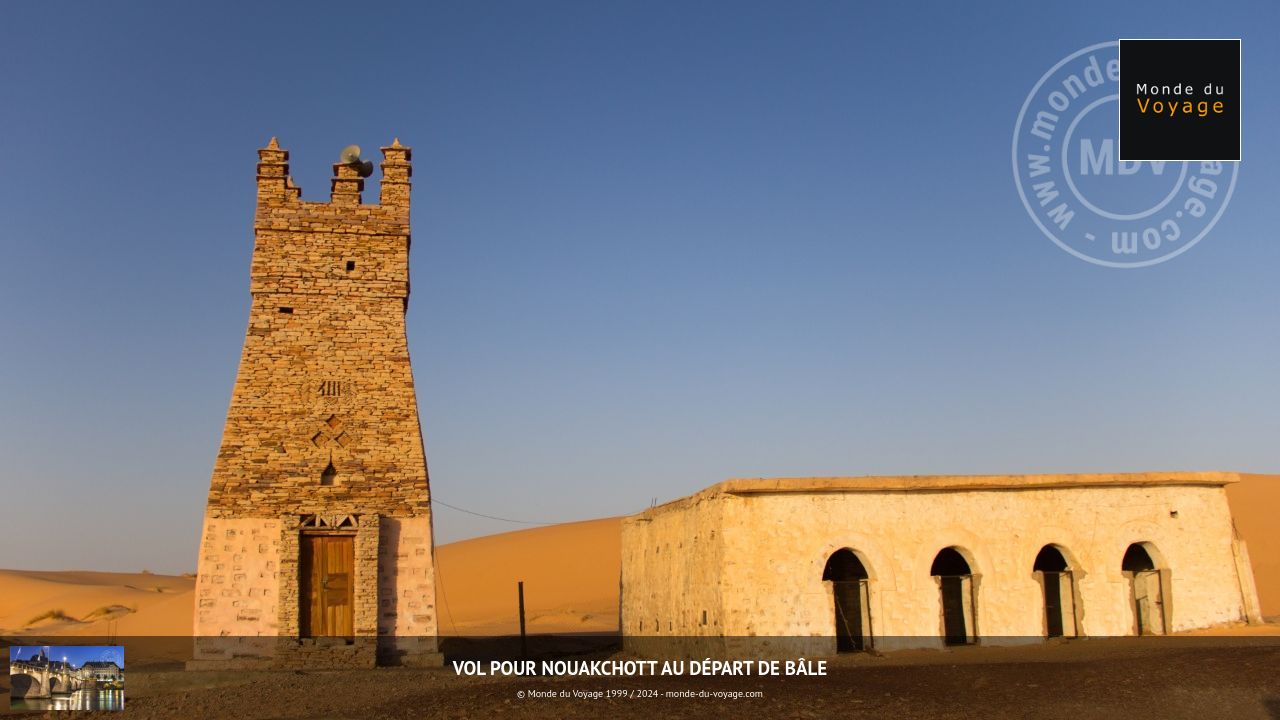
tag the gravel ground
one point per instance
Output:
(1118, 678)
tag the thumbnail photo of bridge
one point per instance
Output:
(66, 677)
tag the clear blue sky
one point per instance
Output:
(656, 245)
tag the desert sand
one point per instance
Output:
(94, 603)
(570, 571)
(1255, 505)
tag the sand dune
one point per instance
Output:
(94, 603)
(570, 571)
(570, 575)
(1255, 505)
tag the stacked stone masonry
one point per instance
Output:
(322, 434)
(743, 561)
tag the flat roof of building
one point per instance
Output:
(936, 483)
(946, 483)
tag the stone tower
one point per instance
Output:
(317, 544)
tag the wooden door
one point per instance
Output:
(970, 608)
(849, 614)
(1148, 602)
(1068, 604)
(328, 586)
(864, 605)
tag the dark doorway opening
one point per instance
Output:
(850, 588)
(955, 583)
(1137, 559)
(1149, 585)
(1056, 577)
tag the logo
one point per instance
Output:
(1107, 211)
(1180, 100)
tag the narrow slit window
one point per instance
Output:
(286, 310)
(329, 475)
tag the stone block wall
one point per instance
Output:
(237, 587)
(407, 619)
(323, 423)
(325, 378)
(773, 548)
(673, 572)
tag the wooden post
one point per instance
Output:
(524, 648)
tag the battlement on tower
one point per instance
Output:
(341, 246)
(276, 188)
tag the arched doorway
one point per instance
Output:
(1056, 577)
(1149, 589)
(955, 584)
(851, 592)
